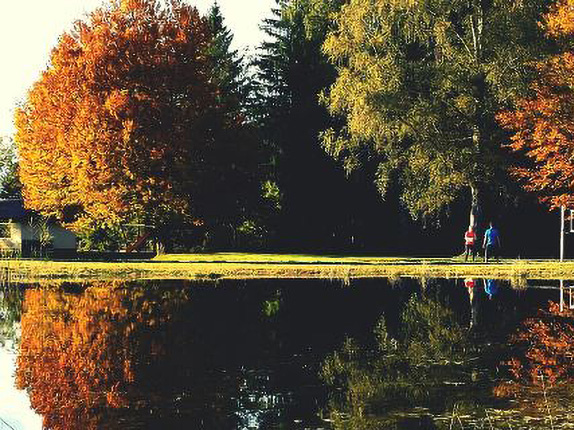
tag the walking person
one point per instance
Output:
(469, 243)
(491, 243)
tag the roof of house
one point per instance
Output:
(12, 209)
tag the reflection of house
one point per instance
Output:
(23, 232)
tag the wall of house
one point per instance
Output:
(27, 233)
(7, 244)
(14, 242)
(30, 245)
(25, 239)
(62, 238)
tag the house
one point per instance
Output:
(24, 233)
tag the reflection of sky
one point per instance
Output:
(15, 409)
(256, 404)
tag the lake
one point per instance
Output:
(279, 354)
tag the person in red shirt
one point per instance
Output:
(469, 243)
(470, 284)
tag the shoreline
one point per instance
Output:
(277, 266)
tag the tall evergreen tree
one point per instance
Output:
(291, 71)
(241, 201)
(229, 66)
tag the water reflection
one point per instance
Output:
(80, 352)
(404, 354)
(10, 314)
(544, 348)
(15, 409)
(159, 355)
(470, 285)
(540, 369)
(490, 287)
(432, 373)
(478, 291)
(401, 381)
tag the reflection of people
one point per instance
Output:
(490, 287)
(491, 243)
(470, 283)
(469, 242)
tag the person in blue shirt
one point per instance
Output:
(491, 243)
(491, 288)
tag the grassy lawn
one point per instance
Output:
(240, 257)
(280, 266)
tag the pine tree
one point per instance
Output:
(229, 66)
(291, 72)
(238, 202)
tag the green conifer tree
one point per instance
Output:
(242, 202)
(317, 212)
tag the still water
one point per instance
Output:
(375, 354)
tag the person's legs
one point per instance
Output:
(466, 252)
(486, 253)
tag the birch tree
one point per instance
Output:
(419, 84)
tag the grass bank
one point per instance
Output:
(280, 266)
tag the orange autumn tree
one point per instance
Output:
(118, 125)
(85, 357)
(542, 356)
(543, 124)
(73, 359)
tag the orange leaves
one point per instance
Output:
(560, 22)
(546, 343)
(184, 18)
(80, 352)
(127, 6)
(121, 88)
(543, 125)
(117, 104)
(128, 127)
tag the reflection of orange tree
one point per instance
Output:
(545, 346)
(78, 351)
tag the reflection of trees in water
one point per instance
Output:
(79, 352)
(434, 373)
(10, 312)
(541, 368)
(544, 348)
(117, 355)
(373, 389)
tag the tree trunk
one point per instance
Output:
(159, 248)
(476, 198)
(475, 207)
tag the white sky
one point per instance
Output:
(15, 408)
(29, 29)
